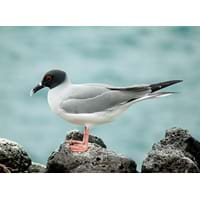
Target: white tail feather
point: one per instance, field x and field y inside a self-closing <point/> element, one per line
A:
<point x="154" y="95"/>
<point x="161" y="94"/>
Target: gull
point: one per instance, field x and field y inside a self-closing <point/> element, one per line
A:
<point x="93" y="103"/>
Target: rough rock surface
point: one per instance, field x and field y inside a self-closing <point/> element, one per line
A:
<point x="4" y="169"/>
<point x="193" y="147"/>
<point x="36" y="168"/>
<point x="96" y="159"/>
<point x="13" y="157"/>
<point x="171" y="154"/>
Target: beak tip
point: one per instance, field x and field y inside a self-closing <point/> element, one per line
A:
<point x="36" y="88"/>
<point x="31" y="93"/>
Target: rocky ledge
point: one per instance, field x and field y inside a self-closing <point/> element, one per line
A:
<point x="96" y="159"/>
<point x="177" y="152"/>
<point x="13" y="158"/>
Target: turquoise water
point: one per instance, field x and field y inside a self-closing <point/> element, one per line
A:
<point x="115" y="55"/>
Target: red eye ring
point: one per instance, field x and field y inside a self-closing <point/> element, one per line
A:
<point x="48" y="78"/>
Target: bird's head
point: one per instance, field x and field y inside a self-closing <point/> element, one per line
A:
<point x="51" y="79"/>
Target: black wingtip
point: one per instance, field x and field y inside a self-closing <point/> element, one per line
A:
<point x="159" y="86"/>
<point x="177" y="81"/>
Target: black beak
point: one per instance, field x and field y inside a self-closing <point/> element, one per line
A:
<point x="35" y="89"/>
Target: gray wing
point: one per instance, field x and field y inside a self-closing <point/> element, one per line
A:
<point x="93" y="98"/>
<point x="86" y="91"/>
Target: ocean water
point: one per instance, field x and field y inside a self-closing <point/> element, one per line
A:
<point x="118" y="56"/>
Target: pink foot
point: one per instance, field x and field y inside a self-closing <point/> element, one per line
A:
<point x="75" y="142"/>
<point x="78" y="148"/>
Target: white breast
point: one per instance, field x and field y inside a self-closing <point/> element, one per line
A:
<point x="55" y="97"/>
<point x="53" y="102"/>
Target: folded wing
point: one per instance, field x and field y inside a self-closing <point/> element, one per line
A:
<point x="102" y="99"/>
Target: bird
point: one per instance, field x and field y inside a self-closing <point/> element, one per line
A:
<point x="90" y="104"/>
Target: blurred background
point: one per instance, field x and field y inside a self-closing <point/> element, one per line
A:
<point x="118" y="56"/>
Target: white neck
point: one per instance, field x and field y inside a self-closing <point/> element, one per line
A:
<point x="56" y="95"/>
<point x="57" y="92"/>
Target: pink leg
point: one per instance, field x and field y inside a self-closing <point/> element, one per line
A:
<point x="80" y="146"/>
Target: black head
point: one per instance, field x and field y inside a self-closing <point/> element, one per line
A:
<point x="51" y="79"/>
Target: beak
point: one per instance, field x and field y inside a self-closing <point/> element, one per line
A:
<point x="35" y="89"/>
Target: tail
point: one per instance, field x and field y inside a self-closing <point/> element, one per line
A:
<point x="159" y="86"/>
<point x="154" y="88"/>
<point x="161" y="94"/>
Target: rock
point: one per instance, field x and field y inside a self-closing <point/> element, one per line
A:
<point x="4" y="169"/>
<point x="193" y="147"/>
<point x="36" y="168"/>
<point x="170" y="154"/>
<point x="96" y="159"/>
<point x="13" y="157"/>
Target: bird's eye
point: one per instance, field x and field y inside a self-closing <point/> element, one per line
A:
<point x="48" y="78"/>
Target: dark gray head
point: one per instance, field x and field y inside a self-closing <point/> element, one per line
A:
<point x="51" y="80"/>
